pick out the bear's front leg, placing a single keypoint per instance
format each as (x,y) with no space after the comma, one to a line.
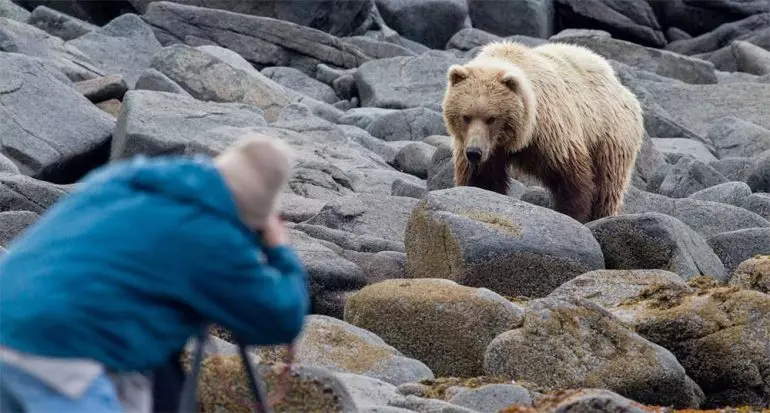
(573,193)
(491,175)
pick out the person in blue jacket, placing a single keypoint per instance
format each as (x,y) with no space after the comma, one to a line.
(119,274)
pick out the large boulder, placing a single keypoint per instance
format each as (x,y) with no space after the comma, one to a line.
(735,247)
(445,325)
(428,22)
(43,121)
(627,20)
(753,274)
(513,17)
(574,343)
(481,238)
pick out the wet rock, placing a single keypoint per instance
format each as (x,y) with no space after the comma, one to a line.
(407,125)
(719,335)
(125,46)
(341,347)
(296,80)
(754,274)
(103,88)
(655,241)
(689,176)
(732,193)
(429,22)
(705,217)
(480,238)
(429,319)
(260,40)
(760,204)
(734,137)
(734,247)
(676,148)
(13,223)
(661,62)
(492,398)
(59,24)
(759,174)
(161,122)
(405,82)
(43,121)
(575,343)
(630,21)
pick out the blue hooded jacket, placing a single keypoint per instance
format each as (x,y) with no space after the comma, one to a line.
(127,267)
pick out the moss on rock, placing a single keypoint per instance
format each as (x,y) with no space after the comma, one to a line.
(753,274)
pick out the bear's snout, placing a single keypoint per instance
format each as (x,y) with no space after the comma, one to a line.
(473,155)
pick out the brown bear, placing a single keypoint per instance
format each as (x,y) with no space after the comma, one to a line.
(556,112)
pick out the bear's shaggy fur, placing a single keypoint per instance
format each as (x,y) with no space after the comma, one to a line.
(555,111)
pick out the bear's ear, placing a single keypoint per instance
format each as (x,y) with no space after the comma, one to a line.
(511,80)
(457,74)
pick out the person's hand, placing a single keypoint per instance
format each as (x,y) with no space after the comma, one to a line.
(275,232)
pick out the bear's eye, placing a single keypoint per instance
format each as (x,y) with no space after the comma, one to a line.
(490,121)
(467,119)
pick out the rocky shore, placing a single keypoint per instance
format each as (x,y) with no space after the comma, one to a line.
(426,297)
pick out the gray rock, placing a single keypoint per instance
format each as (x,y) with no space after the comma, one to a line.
(260,40)
(209,78)
(649,161)
(509,17)
(438,140)
(16,37)
(161,123)
(377,49)
(125,46)
(405,82)
(595,401)
(732,193)
(349,241)
(759,174)
(733,168)
(750,58)
(742,100)
(296,80)
(495,241)
(154,80)
(759,203)
(675,148)
(418,404)
(734,247)
(377,146)
(689,176)
(684,68)
(333,17)
(7,165)
(630,20)
(363,214)
(429,22)
(674,33)
(43,120)
(228,56)
(22,193)
(653,183)
(408,189)
(441,170)
(734,137)
(753,274)
(705,217)
(611,289)
(721,35)
(13,223)
(429,319)
(408,125)
(103,88)
(492,398)
(59,24)
(363,117)
(370,394)
(574,343)
(341,347)
(538,195)
(467,39)
(13,11)
(655,241)
(378,266)
(295,208)
(415,159)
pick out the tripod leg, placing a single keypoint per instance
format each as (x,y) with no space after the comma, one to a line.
(261,405)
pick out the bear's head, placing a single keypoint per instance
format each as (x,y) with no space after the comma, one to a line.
(488,106)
